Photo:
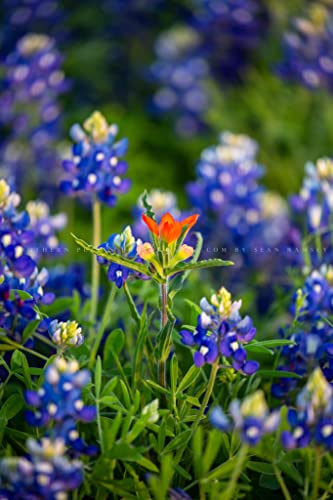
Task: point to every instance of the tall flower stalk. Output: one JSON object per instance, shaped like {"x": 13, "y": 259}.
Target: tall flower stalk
{"x": 95, "y": 268}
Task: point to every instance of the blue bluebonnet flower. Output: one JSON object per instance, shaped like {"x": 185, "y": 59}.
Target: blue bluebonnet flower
{"x": 230, "y": 31}
{"x": 58, "y": 405}
{"x": 160, "y": 202}
{"x": 15, "y": 234}
{"x": 45, "y": 473}
{"x": 178, "y": 494}
{"x": 181, "y": 73}
{"x": 96, "y": 166}
{"x": 66, "y": 334}
{"x": 29, "y": 109}
{"x": 308, "y": 49}
{"x": 236, "y": 213}
{"x": 221, "y": 331}
{"x": 251, "y": 418}
{"x": 312, "y": 209}
{"x": 215, "y": 41}
{"x": 312, "y": 419}
{"x": 123, "y": 244}
{"x": 64, "y": 280}
{"x": 312, "y": 333}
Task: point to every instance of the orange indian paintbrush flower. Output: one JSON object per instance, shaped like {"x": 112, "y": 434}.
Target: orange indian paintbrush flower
{"x": 169, "y": 229}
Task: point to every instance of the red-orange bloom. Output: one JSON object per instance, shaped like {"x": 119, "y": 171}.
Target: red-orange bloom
{"x": 169, "y": 229}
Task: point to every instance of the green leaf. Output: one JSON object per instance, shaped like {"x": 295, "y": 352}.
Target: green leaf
{"x": 223, "y": 470}
{"x": 263, "y": 467}
{"x": 174, "y": 373}
{"x": 163, "y": 340}
{"x": 189, "y": 378}
{"x": 58, "y": 306}
{"x": 272, "y": 343}
{"x": 147, "y": 464}
{"x": 139, "y": 348}
{"x": 177, "y": 442}
{"x": 12, "y": 406}
{"x": 117, "y": 259}
{"x": 277, "y": 374}
{"x": 202, "y": 264}
{"x": 149, "y": 209}
{"x": 29, "y": 330}
{"x": 124, "y": 451}
{"x": 113, "y": 346}
{"x": 19, "y": 293}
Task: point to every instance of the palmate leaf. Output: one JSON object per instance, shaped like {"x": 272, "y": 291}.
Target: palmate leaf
{"x": 202, "y": 264}
{"x": 117, "y": 259}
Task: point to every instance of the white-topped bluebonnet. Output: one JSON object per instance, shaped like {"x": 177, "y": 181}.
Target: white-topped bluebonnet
{"x": 251, "y": 418}
{"x": 312, "y": 209}
{"x": 237, "y": 214}
{"x": 312, "y": 419}
{"x": 221, "y": 331}
{"x": 230, "y": 31}
{"x": 58, "y": 404}
{"x": 46, "y": 473}
{"x": 31, "y": 16}
{"x": 29, "y": 108}
{"x": 181, "y": 73}
{"x": 97, "y": 165}
{"x": 214, "y": 42}
{"x": 66, "y": 334}
{"x": 308, "y": 48}
{"x": 123, "y": 244}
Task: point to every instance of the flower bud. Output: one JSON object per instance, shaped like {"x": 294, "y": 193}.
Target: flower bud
{"x": 146, "y": 251}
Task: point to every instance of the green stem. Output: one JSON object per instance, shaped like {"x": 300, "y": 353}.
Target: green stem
{"x": 317, "y": 470}
{"x": 95, "y": 269}
{"x": 228, "y": 494}
{"x": 328, "y": 491}
{"x": 25, "y": 349}
{"x": 282, "y": 483}
{"x": 99, "y": 426}
{"x": 104, "y": 322}
{"x": 207, "y": 396}
{"x": 131, "y": 304}
{"x": 164, "y": 319}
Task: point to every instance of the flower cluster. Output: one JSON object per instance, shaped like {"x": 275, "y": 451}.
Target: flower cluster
{"x": 96, "y": 166}
{"x": 215, "y": 41}
{"x": 66, "y": 333}
{"x": 221, "y": 331}
{"x": 230, "y": 31}
{"x": 312, "y": 209}
{"x": 160, "y": 202}
{"x": 235, "y": 210}
{"x": 125, "y": 245}
{"x": 45, "y": 473}
{"x": 58, "y": 404}
{"x": 181, "y": 73}
{"x": 31, "y": 16}
{"x": 32, "y": 83}
{"x": 308, "y": 49}
{"x": 312, "y": 335}
{"x": 312, "y": 419}
{"x": 251, "y": 418}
